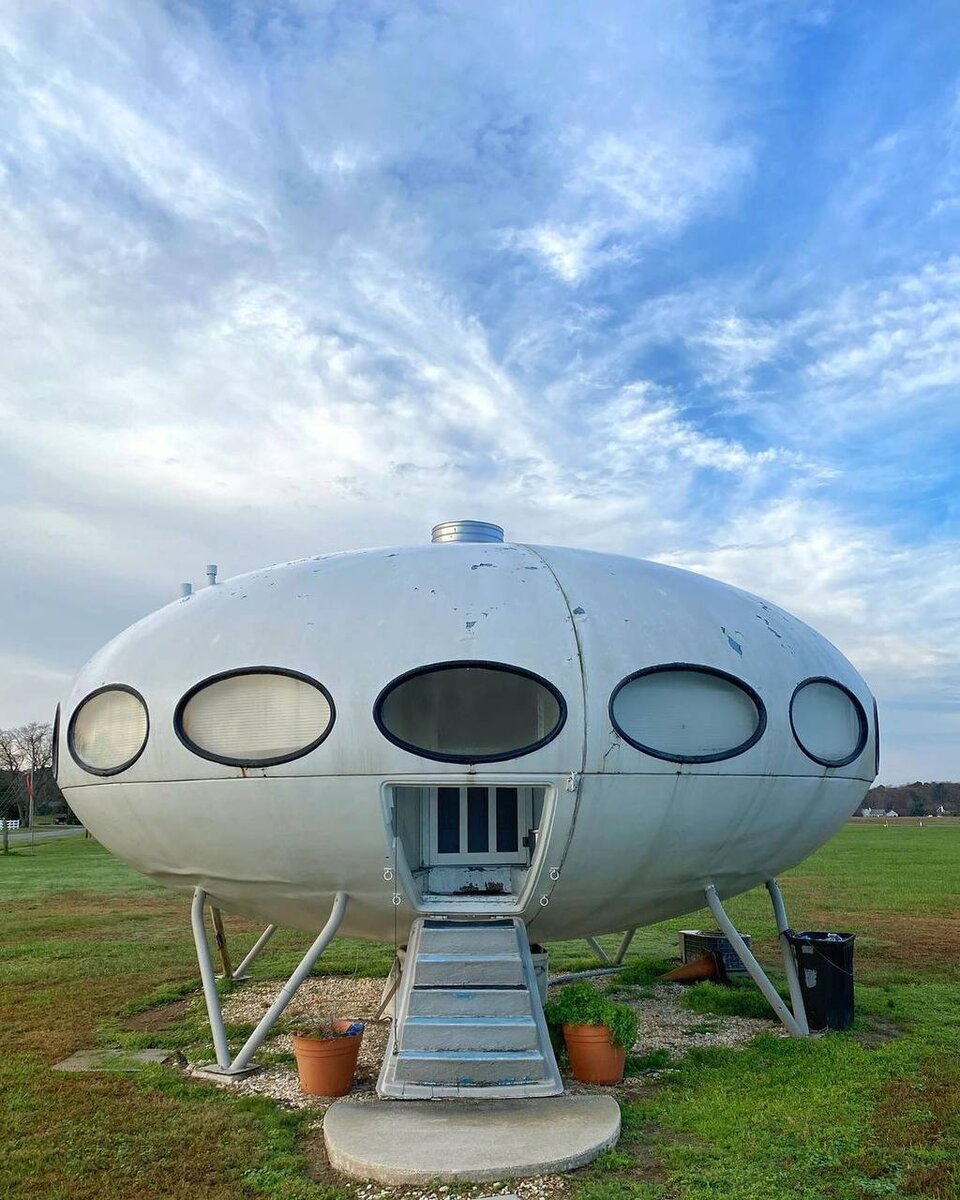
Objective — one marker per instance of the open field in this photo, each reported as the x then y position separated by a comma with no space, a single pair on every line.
86,943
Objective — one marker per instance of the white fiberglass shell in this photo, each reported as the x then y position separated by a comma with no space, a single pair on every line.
626,836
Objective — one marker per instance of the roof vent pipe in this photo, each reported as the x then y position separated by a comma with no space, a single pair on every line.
186,589
212,574
466,531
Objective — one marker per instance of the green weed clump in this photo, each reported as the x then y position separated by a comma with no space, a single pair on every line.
735,999
582,1004
653,1060
645,970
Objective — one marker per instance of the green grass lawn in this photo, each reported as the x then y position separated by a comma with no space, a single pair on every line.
875,1112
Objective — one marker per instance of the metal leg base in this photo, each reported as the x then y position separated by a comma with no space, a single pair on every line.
219,1074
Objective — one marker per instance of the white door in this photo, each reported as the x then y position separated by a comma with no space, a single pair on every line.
479,825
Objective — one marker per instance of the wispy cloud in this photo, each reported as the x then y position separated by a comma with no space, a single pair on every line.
275,284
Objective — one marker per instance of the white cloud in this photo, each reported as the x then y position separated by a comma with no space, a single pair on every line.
893,610
280,286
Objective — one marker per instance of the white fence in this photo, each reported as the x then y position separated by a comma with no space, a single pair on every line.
15,824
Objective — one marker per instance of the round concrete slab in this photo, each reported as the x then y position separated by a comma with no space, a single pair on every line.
416,1141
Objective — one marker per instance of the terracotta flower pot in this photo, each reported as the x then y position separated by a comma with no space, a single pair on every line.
327,1065
593,1057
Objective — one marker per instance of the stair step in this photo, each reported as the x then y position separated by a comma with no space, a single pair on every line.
452,969
472,1069
459,937
468,1034
469,1002
469,1017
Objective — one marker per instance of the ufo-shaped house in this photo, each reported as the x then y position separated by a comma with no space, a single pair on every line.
465,746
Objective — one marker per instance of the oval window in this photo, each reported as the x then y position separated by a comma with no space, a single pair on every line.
470,712
686,713
254,717
109,730
828,722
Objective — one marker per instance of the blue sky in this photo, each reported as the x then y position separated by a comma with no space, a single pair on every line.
677,280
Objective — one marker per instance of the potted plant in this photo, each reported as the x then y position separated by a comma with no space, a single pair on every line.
597,1032
326,1053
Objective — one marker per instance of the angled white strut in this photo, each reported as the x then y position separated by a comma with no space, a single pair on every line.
241,1064
795,1022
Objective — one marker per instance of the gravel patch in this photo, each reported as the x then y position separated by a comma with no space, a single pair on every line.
663,1024
326,996
536,1188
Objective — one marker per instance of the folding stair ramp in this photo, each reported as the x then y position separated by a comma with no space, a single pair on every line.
469,1021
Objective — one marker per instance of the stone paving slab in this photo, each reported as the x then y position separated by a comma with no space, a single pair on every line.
124,1061
419,1141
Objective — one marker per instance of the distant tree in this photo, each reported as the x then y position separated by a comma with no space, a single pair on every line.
26,755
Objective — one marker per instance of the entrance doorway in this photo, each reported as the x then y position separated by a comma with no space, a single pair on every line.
480,825
468,840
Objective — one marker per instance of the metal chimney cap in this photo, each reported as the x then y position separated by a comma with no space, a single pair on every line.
466,531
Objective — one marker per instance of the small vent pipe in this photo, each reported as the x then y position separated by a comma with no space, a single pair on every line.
186,589
212,574
466,531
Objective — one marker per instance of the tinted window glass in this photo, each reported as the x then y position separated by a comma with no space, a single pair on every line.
448,820
828,721
507,835
466,712
686,713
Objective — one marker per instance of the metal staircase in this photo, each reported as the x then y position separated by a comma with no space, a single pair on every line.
469,1021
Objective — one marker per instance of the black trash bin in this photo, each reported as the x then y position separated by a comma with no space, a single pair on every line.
825,964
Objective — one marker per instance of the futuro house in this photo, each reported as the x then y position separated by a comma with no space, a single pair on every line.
441,741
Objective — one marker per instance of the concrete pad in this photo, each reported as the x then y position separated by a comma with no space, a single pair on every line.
124,1061
417,1141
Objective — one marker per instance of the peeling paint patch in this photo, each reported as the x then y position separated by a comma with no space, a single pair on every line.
477,566
762,618
732,641
578,611
470,624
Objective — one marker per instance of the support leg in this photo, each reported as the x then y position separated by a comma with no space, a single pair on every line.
209,979
598,950
624,946
287,992
789,961
753,967
255,951
220,935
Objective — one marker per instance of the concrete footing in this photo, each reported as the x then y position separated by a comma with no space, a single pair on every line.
119,1061
223,1074
418,1141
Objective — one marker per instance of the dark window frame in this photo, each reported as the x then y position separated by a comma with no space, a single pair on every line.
861,715
55,745
701,669
274,760
460,664
876,738
71,728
